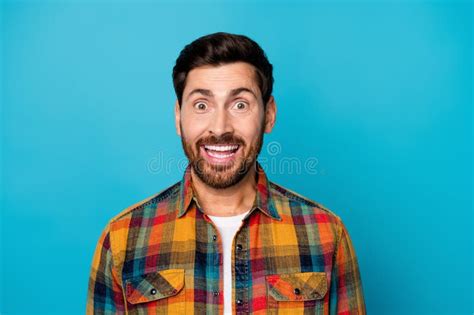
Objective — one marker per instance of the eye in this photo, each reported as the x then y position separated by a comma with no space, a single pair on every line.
200,106
241,106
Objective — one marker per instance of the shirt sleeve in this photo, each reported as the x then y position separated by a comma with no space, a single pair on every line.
347,296
105,294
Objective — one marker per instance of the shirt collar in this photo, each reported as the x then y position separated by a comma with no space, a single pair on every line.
263,200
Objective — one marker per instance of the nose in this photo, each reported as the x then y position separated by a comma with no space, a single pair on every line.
221,122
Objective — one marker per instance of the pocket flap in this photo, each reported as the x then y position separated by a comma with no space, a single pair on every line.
154,286
301,286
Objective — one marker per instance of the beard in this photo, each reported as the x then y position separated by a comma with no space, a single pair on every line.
222,176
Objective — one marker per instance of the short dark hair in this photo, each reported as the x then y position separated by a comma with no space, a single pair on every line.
223,48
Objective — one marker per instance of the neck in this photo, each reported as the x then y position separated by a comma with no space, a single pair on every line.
230,201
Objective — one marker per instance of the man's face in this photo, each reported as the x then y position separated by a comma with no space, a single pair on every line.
221,122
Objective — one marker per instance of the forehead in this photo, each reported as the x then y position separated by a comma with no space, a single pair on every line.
222,77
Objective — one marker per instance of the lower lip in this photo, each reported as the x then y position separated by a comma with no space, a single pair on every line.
216,160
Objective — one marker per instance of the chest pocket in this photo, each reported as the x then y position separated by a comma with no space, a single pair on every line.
302,291
161,291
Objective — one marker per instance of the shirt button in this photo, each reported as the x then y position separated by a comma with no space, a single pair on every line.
297,291
239,247
216,293
214,237
239,302
153,291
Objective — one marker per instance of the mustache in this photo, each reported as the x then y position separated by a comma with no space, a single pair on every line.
224,139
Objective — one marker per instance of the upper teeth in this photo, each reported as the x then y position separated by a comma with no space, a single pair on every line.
221,147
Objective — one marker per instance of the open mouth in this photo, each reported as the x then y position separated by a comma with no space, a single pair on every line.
220,153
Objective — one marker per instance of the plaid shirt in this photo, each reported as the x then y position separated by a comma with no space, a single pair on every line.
164,255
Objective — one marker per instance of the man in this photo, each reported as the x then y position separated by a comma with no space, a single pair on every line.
225,239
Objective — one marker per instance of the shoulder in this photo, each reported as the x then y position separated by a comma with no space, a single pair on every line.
135,219
150,203
291,203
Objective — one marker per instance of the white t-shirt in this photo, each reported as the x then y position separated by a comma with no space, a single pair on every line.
227,227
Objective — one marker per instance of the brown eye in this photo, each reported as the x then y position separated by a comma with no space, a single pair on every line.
241,106
200,106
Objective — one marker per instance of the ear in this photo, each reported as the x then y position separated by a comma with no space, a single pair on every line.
177,117
270,115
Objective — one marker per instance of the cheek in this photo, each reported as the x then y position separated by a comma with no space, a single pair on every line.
192,128
250,133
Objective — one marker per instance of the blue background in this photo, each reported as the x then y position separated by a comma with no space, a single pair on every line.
380,93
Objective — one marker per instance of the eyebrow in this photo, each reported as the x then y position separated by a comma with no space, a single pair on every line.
233,92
